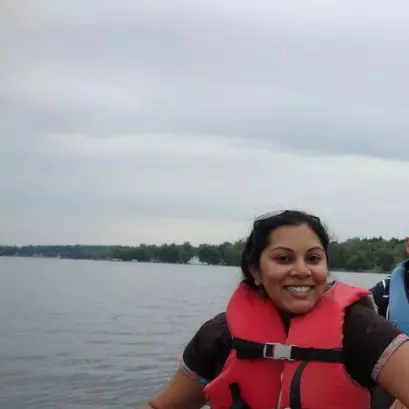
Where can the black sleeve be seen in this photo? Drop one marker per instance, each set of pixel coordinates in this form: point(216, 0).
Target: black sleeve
point(366, 337)
point(380, 294)
point(209, 348)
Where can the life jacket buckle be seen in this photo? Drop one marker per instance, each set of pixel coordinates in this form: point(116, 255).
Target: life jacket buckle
point(278, 351)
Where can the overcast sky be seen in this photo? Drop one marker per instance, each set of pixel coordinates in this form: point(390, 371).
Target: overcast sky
point(154, 121)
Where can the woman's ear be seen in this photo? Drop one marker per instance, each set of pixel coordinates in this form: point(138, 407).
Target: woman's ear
point(256, 276)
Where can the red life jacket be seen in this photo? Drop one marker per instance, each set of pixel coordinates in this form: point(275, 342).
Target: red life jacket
point(269, 369)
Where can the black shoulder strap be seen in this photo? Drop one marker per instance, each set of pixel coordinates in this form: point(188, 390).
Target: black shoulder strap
point(252, 350)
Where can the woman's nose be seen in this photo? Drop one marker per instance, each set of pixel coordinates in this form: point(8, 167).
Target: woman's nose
point(301, 268)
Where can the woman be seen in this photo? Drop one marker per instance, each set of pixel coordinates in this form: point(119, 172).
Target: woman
point(288, 338)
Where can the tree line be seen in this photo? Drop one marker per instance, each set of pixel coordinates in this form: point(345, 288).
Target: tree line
point(356, 254)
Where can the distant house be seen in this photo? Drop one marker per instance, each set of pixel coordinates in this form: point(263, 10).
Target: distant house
point(195, 260)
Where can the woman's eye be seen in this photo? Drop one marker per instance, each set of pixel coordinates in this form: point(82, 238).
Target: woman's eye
point(314, 258)
point(282, 259)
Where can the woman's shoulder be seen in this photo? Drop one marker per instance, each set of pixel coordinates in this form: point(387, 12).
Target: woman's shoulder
point(212, 330)
point(206, 353)
point(218, 321)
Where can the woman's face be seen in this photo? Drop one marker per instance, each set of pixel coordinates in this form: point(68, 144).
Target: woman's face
point(293, 269)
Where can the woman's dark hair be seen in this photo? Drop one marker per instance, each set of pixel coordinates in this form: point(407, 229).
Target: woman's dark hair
point(260, 234)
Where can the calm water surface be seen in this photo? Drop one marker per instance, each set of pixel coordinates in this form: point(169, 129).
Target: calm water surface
point(89, 334)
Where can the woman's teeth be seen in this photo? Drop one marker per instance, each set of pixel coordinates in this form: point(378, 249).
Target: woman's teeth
point(298, 288)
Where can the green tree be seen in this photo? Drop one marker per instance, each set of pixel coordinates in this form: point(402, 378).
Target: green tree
point(209, 254)
point(354, 254)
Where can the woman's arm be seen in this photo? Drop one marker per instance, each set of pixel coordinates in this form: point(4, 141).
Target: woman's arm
point(394, 375)
point(181, 392)
point(200, 362)
point(369, 341)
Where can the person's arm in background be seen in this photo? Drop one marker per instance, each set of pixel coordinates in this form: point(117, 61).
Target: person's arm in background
point(380, 292)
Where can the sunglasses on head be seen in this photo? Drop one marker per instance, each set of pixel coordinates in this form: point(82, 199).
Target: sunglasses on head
point(272, 215)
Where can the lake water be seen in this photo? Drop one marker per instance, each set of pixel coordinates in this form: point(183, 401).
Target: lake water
point(90, 334)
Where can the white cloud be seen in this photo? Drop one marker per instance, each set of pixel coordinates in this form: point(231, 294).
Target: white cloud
point(132, 189)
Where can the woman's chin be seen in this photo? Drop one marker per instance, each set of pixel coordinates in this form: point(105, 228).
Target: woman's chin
point(300, 306)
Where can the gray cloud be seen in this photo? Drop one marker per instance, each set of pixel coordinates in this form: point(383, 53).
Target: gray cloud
point(329, 80)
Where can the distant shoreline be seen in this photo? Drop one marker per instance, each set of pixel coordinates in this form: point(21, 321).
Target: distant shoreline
point(178, 264)
point(375, 255)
